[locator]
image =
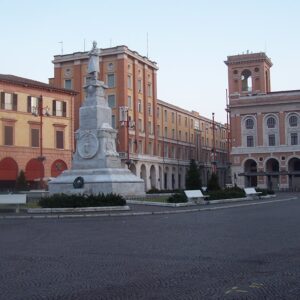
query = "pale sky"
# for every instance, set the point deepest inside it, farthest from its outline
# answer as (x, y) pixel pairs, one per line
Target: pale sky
(188, 39)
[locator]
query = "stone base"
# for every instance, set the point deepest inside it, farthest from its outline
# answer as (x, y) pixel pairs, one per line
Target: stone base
(118, 181)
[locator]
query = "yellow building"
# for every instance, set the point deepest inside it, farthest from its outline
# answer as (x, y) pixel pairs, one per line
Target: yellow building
(37, 130)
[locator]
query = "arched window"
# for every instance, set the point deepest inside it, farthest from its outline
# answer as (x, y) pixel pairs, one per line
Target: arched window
(249, 124)
(293, 121)
(271, 122)
(246, 81)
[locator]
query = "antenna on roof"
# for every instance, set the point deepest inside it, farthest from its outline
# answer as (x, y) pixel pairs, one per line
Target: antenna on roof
(147, 46)
(62, 47)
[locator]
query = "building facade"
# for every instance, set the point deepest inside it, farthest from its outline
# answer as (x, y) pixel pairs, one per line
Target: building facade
(265, 126)
(155, 139)
(36, 122)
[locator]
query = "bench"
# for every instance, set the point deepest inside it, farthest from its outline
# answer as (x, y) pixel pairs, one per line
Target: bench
(195, 196)
(15, 199)
(251, 192)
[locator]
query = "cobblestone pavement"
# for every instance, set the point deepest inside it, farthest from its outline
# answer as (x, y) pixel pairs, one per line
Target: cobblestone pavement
(250, 252)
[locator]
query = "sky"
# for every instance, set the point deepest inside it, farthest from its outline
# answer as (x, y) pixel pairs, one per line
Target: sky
(188, 39)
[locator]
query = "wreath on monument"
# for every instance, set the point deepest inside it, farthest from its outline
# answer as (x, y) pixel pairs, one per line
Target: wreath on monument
(78, 183)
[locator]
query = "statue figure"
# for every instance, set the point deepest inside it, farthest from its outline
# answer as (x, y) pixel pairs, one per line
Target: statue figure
(93, 65)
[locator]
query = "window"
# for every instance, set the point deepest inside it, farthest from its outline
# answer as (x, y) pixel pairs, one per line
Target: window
(166, 115)
(32, 104)
(246, 81)
(9, 101)
(140, 150)
(129, 81)
(150, 128)
(140, 125)
(250, 141)
(185, 121)
(157, 112)
(179, 119)
(139, 105)
(179, 134)
(139, 85)
(113, 121)
(173, 117)
(173, 153)
(158, 130)
(192, 138)
(166, 131)
(111, 101)
(249, 124)
(111, 80)
(166, 150)
(272, 140)
(149, 90)
(293, 121)
(149, 109)
(294, 138)
(192, 122)
(8, 135)
(150, 148)
(68, 84)
(59, 108)
(186, 137)
(173, 133)
(271, 122)
(129, 102)
(35, 137)
(59, 139)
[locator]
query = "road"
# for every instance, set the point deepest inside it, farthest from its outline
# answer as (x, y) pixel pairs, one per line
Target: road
(244, 252)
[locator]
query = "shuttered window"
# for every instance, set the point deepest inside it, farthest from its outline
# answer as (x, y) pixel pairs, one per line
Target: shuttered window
(35, 137)
(8, 135)
(59, 139)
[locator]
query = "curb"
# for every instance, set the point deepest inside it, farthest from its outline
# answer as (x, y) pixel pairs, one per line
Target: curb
(76, 209)
(125, 214)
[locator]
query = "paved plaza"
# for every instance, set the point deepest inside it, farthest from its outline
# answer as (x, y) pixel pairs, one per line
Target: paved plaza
(242, 252)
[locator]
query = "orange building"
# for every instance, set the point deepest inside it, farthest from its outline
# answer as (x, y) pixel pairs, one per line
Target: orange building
(155, 138)
(265, 126)
(37, 129)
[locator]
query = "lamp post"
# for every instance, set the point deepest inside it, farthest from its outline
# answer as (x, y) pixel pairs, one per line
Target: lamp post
(40, 111)
(214, 144)
(125, 121)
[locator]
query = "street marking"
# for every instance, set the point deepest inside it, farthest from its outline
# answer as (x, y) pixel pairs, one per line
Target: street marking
(235, 289)
(256, 285)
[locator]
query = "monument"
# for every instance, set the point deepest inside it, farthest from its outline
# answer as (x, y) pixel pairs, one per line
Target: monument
(96, 166)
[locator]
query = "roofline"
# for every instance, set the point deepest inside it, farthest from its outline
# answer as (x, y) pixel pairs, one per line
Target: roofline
(105, 52)
(40, 86)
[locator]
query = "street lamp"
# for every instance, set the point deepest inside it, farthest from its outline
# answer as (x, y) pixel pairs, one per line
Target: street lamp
(40, 111)
(214, 163)
(125, 121)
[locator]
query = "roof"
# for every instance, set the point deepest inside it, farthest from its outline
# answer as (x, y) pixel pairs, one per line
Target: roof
(33, 83)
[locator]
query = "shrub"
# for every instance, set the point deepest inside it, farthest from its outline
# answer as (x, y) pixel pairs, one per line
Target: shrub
(21, 183)
(192, 180)
(82, 200)
(213, 183)
(265, 192)
(228, 193)
(177, 198)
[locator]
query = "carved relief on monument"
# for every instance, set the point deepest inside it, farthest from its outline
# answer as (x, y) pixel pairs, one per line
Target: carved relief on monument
(88, 144)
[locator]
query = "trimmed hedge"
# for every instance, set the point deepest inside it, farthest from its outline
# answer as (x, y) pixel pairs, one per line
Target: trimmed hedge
(81, 200)
(177, 198)
(228, 193)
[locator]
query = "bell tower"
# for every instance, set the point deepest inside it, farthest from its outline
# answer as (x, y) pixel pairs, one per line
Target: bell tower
(248, 74)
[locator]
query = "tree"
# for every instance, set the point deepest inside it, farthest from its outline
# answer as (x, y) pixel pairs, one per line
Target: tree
(192, 180)
(213, 183)
(21, 183)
